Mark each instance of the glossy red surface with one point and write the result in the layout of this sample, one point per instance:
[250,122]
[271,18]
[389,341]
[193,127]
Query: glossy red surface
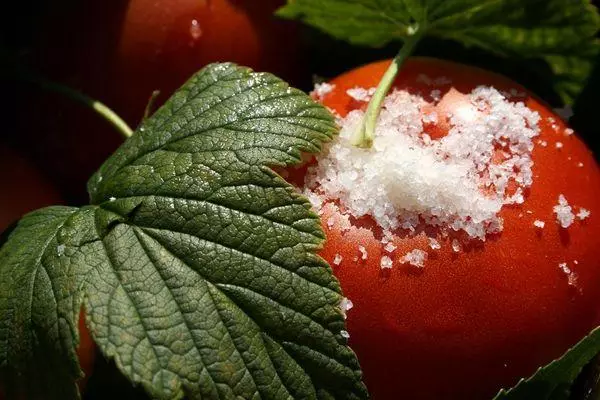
[472,322]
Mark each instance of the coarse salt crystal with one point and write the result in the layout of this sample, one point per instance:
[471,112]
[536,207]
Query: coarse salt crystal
[455,245]
[60,249]
[539,224]
[571,276]
[583,213]
[346,305]
[330,221]
[434,244]
[390,247]
[415,257]
[322,89]
[344,334]
[569,131]
[112,199]
[543,143]
[337,259]
[563,211]
[360,94]
[580,165]
[558,145]
[430,118]
[453,183]
[385,262]
[363,252]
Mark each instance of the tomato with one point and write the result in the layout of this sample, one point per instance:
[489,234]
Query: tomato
[25,190]
[119,53]
[473,321]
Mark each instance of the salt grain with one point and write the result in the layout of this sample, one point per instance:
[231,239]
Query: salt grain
[569,131]
[363,252]
[344,334]
[389,247]
[346,305]
[322,89]
[558,145]
[563,211]
[571,276]
[337,260]
[60,250]
[385,262]
[455,245]
[539,224]
[360,94]
[452,183]
[434,244]
[583,214]
[415,257]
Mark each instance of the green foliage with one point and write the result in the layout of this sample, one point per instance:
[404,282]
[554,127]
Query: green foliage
[562,33]
[196,263]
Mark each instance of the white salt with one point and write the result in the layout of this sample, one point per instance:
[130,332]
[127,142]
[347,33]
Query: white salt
[434,244]
[580,165]
[112,199]
[330,221]
[430,118]
[543,143]
[389,247]
[60,250]
[363,252]
[415,257]
[345,334]
[361,94]
[346,305]
[559,145]
[385,262]
[455,246]
[337,259]
[571,276]
[569,131]
[322,89]
[563,211]
[539,224]
[453,183]
[583,213]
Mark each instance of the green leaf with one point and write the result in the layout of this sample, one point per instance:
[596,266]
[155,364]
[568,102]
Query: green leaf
[201,273]
[562,33]
[39,308]
[553,382]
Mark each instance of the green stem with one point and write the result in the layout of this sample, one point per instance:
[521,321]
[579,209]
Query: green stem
[102,109]
[364,136]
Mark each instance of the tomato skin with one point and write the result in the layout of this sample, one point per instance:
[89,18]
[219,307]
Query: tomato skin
[471,323]
[161,44]
[26,189]
[119,53]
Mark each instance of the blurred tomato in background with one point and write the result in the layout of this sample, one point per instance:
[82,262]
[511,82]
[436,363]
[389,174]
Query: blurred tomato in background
[119,53]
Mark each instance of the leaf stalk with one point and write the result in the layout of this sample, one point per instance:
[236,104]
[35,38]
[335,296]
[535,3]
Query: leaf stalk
[365,134]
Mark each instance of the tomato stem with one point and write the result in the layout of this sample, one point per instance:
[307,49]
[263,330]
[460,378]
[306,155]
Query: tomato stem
[112,117]
[365,134]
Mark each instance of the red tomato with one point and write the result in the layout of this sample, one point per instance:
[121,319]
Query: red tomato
[120,52]
[475,321]
[26,189]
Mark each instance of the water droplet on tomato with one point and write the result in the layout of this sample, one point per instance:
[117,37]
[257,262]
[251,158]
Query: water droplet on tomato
[195,30]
